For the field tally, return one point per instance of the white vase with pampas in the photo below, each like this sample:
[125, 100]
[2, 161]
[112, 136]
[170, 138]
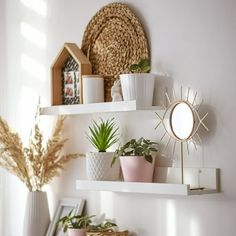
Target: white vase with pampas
[35, 166]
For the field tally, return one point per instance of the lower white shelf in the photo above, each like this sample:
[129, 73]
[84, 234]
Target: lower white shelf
[166, 182]
[146, 188]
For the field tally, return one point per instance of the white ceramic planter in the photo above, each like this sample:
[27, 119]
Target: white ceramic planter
[139, 87]
[93, 89]
[37, 217]
[137, 169]
[77, 232]
[98, 166]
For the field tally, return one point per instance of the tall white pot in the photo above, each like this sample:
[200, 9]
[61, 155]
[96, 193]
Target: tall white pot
[98, 166]
[139, 87]
[37, 217]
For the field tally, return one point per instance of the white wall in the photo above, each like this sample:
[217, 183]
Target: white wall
[2, 94]
[194, 43]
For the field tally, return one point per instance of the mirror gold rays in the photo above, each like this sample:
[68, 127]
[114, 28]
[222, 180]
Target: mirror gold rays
[181, 121]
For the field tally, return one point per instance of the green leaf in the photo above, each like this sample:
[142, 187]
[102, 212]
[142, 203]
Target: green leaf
[134, 68]
[144, 65]
[148, 158]
[65, 228]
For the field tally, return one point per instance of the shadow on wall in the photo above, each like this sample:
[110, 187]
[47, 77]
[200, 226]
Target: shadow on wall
[210, 121]
[163, 84]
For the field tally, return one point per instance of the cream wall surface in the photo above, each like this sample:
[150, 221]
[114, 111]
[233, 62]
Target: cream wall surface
[193, 44]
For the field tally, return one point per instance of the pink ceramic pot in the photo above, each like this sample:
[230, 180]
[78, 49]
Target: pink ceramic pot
[77, 232]
[136, 169]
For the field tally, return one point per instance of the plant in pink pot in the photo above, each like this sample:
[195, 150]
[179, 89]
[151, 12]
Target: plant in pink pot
[76, 225]
[137, 162]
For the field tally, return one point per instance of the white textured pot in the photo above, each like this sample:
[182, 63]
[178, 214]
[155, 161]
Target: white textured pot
[139, 87]
[37, 217]
[98, 166]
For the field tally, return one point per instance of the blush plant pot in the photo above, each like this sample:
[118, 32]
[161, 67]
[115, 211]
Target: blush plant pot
[139, 87]
[98, 166]
[77, 232]
[137, 169]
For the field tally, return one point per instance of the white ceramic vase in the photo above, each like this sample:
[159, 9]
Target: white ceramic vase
[139, 87]
[37, 217]
[98, 166]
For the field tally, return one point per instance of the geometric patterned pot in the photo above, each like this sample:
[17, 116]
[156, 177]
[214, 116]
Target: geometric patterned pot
[98, 166]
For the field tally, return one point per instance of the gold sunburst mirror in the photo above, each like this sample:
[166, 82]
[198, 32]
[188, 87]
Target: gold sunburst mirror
[181, 121]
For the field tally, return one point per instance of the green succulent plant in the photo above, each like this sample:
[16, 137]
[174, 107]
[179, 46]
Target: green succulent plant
[140, 147]
[75, 221]
[103, 135]
[142, 67]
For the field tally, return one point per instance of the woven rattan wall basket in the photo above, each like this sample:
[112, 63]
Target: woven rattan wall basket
[113, 40]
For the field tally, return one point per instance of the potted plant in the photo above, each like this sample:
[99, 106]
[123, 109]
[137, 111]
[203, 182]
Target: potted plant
[102, 136]
[139, 84]
[137, 162]
[76, 225]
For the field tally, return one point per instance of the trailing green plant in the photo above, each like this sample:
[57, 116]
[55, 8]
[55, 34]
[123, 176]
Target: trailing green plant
[142, 67]
[106, 225]
[75, 221]
[103, 135]
[140, 147]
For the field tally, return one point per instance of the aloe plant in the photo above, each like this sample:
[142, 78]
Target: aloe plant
[140, 147]
[75, 221]
[142, 67]
[103, 135]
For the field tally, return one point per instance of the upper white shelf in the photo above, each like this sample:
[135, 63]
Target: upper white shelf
[95, 108]
[146, 188]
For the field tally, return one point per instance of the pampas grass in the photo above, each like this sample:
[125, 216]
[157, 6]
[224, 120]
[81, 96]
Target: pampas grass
[34, 165]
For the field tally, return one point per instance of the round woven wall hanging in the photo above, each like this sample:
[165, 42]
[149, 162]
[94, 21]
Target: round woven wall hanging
[113, 40]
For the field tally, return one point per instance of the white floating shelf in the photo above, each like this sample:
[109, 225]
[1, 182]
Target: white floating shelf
[95, 108]
[167, 179]
[133, 187]
[146, 188]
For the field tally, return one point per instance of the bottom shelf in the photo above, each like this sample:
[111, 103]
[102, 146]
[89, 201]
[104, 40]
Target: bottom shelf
[166, 182]
[146, 188]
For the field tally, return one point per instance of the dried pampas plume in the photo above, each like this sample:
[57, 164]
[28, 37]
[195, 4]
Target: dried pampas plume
[35, 165]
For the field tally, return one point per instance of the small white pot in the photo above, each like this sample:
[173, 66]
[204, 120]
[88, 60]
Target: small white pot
[139, 87]
[98, 166]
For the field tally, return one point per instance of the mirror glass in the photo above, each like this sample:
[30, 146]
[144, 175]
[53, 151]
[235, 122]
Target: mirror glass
[182, 121]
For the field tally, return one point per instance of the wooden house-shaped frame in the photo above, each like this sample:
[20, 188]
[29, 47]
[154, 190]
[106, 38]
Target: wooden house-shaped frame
[69, 55]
